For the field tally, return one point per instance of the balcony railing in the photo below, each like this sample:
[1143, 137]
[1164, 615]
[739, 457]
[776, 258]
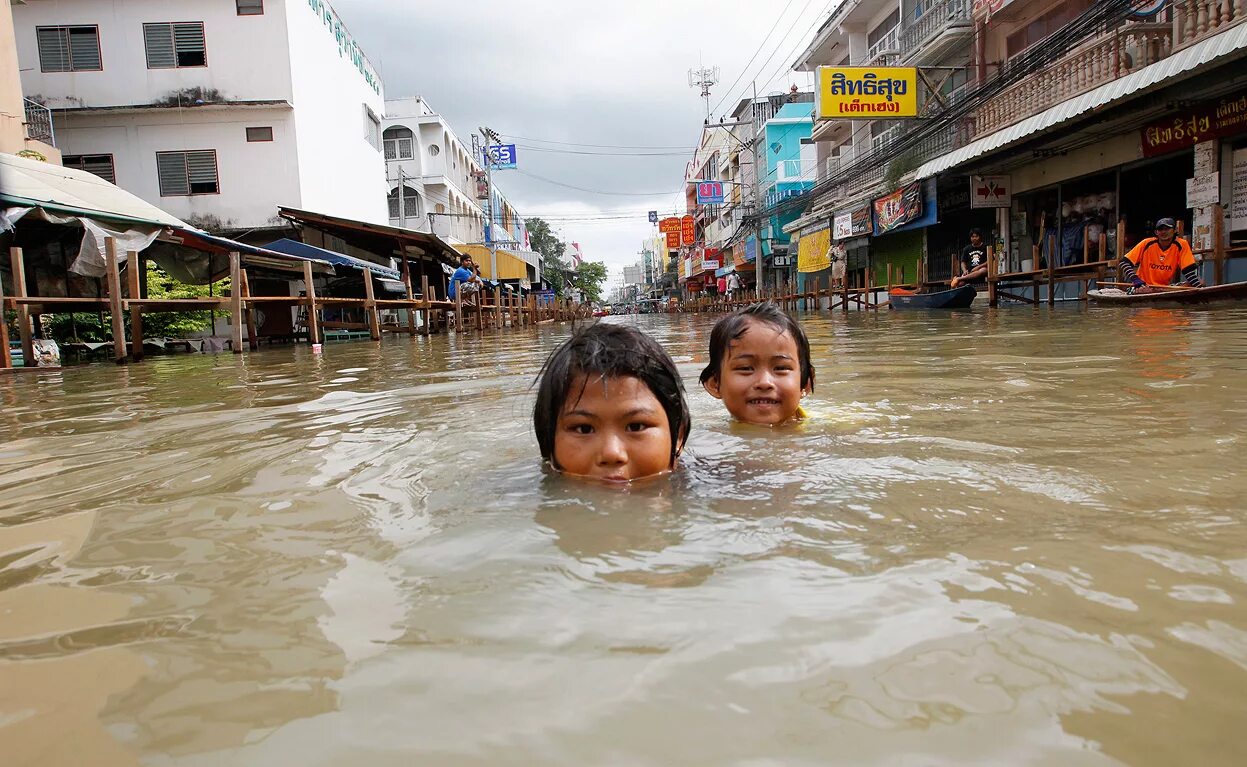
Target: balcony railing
[886, 51]
[39, 123]
[935, 20]
[885, 138]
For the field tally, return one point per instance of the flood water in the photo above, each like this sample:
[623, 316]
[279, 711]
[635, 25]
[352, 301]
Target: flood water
[1010, 537]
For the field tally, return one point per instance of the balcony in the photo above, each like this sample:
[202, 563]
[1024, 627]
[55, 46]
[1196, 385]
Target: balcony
[793, 171]
[942, 29]
[887, 51]
[39, 123]
[881, 141]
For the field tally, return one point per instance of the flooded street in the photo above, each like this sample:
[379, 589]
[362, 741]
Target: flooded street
[1008, 537]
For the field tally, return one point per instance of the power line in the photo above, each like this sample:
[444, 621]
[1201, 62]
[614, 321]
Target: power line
[758, 50]
[596, 146]
[529, 148]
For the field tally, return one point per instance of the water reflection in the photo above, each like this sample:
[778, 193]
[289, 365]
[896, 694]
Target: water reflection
[1004, 537]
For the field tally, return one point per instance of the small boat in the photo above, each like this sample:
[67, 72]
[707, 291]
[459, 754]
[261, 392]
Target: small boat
[954, 298]
[1235, 291]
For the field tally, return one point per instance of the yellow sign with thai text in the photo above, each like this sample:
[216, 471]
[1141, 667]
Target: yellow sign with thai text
[867, 93]
[814, 248]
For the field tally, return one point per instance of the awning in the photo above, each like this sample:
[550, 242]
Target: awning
[375, 238]
[303, 250]
[511, 266]
[1228, 42]
[725, 271]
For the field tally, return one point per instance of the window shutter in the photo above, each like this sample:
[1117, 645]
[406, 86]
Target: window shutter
[84, 48]
[394, 204]
[391, 151]
[159, 40]
[171, 167]
[412, 203]
[188, 40]
[53, 49]
[201, 168]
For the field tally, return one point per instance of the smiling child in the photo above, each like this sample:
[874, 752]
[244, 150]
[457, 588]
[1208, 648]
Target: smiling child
[759, 365]
[610, 406]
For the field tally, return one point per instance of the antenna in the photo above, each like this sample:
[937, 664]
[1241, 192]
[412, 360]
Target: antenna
[704, 78]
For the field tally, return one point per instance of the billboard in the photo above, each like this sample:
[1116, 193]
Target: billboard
[867, 93]
[899, 208]
[688, 230]
[501, 156]
[709, 192]
[668, 225]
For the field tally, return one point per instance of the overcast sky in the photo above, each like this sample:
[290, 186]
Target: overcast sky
[585, 73]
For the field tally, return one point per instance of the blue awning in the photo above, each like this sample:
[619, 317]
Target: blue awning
[303, 250]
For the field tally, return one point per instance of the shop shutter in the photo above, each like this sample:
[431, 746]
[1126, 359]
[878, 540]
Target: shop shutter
[171, 167]
[53, 49]
[159, 41]
[84, 48]
[188, 39]
[202, 172]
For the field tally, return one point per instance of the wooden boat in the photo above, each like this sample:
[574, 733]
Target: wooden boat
[1235, 291]
[955, 298]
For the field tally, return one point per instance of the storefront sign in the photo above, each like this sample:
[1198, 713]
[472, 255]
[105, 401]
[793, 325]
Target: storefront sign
[673, 240]
[813, 248]
[1215, 119]
[710, 259]
[852, 223]
[751, 246]
[781, 262]
[842, 227]
[501, 156]
[898, 208]
[1203, 190]
[1238, 199]
[688, 231]
[710, 193]
[669, 225]
[991, 192]
[867, 92]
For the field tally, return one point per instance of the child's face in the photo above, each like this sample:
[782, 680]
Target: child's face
[760, 378]
[615, 429]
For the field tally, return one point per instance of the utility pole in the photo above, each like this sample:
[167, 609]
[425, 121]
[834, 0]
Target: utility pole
[757, 188]
[489, 229]
[402, 202]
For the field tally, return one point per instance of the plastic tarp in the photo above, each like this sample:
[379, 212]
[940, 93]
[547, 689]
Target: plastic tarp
[90, 261]
[303, 250]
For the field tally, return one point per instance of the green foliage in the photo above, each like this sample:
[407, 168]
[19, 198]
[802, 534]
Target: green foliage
[543, 240]
[897, 169]
[589, 278]
[82, 326]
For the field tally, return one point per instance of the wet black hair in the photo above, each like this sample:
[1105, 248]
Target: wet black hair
[977, 231]
[734, 326]
[464, 257]
[609, 351]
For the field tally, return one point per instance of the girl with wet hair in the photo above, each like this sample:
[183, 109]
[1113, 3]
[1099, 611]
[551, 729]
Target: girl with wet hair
[610, 406]
[759, 365]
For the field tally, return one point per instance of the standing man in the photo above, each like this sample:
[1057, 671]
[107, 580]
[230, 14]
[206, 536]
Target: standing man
[465, 281]
[1156, 261]
[733, 285]
[973, 261]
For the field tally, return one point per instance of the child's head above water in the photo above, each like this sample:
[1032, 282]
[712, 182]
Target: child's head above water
[610, 405]
[759, 365]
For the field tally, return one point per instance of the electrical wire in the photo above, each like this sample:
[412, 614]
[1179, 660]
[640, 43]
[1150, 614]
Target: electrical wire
[594, 146]
[752, 58]
[530, 148]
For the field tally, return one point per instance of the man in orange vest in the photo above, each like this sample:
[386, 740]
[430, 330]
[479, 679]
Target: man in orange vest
[1157, 261]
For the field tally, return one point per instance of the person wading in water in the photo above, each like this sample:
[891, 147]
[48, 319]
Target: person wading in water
[1156, 261]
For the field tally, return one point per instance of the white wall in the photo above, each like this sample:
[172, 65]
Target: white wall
[255, 177]
[340, 173]
[246, 54]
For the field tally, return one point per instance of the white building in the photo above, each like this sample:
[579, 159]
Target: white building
[217, 112]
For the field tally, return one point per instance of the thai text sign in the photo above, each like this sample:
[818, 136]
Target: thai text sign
[709, 192]
[867, 92]
[898, 208]
[669, 225]
[814, 248]
[673, 240]
[688, 230]
[1215, 119]
[710, 259]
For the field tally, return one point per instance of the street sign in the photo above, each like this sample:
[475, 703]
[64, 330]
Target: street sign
[709, 192]
[653, 217]
[990, 192]
[688, 231]
[502, 156]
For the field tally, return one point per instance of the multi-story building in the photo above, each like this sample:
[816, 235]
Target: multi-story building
[1049, 124]
[25, 126]
[217, 112]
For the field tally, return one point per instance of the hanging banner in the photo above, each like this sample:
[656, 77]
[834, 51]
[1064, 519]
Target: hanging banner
[1211, 120]
[709, 192]
[668, 225]
[688, 231]
[813, 248]
[855, 222]
[898, 208]
[867, 93]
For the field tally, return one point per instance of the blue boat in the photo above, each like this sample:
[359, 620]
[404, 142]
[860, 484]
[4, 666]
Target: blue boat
[954, 298]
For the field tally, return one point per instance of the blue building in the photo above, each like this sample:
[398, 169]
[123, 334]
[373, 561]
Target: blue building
[789, 168]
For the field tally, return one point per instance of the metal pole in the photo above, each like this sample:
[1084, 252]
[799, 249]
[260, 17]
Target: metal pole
[489, 176]
[402, 203]
[757, 184]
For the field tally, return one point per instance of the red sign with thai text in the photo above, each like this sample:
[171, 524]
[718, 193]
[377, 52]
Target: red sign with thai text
[673, 240]
[669, 225]
[688, 230]
[1215, 119]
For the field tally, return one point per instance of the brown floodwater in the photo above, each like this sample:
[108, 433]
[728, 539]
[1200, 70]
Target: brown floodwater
[1010, 537]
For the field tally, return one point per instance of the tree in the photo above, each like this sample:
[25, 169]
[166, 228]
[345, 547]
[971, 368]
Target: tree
[544, 241]
[589, 277]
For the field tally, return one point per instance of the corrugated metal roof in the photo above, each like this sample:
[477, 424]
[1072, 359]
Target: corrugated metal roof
[1197, 55]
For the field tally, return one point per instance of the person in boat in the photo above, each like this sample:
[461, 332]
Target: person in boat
[1156, 262]
[973, 261]
[466, 281]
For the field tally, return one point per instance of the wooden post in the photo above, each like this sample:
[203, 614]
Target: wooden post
[18, 262]
[235, 301]
[6, 357]
[136, 311]
[991, 277]
[411, 297]
[844, 292]
[459, 320]
[313, 313]
[370, 308]
[1086, 244]
[114, 299]
[425, 300]
[1218, 245]
[1051, 271]
[498, 306]
[253, 341]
